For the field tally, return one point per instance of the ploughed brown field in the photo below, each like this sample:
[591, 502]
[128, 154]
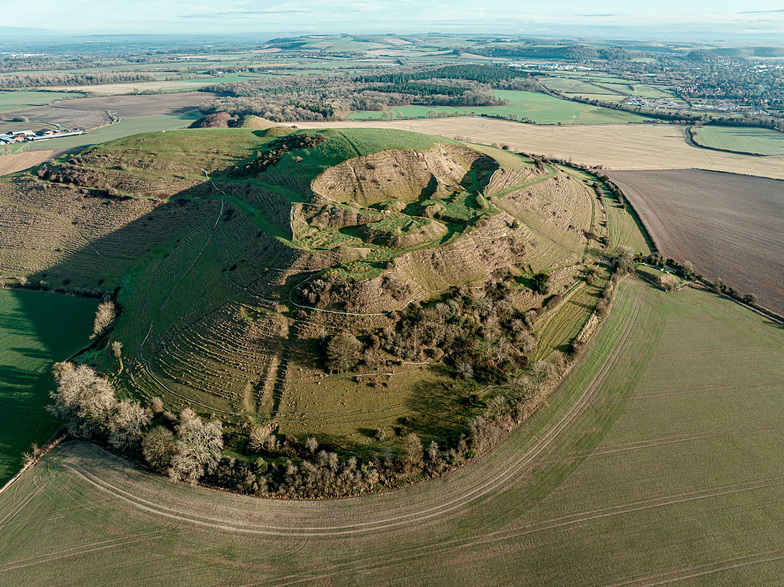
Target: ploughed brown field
[730, 226]
[91, 112]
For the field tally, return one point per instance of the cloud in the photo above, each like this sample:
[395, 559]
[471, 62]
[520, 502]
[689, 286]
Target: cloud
[595, 15]
[760, 11]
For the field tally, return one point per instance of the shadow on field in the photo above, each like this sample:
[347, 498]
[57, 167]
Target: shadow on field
[438, 411]
[182, 265]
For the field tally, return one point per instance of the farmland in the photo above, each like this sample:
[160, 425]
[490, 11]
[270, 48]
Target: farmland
[610, 146]
[92, 112]
[755, 141]
[20, 99]
[660, 405]
[729, 226]
[540, 108]
[20, 161]
[36, 329]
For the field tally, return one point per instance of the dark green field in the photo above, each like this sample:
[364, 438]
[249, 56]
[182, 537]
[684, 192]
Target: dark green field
[36, 329]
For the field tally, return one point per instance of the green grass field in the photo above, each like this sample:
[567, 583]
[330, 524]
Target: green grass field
[540, 108]
[756, 141]
[658, 460]
[624, 227]
[36, 329]
[26, 99]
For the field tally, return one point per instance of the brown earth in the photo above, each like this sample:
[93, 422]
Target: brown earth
[730, 226]
[92, 112]
[22, 161]
[397, 175]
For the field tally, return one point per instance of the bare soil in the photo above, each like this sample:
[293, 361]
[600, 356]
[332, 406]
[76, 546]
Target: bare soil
[730, 226]
[92, 112]
[22, 161]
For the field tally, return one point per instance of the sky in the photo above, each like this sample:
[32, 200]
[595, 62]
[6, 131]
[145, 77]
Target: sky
[608, 18]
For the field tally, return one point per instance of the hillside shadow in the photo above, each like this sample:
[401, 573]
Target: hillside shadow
[171, 265]
[438, 412]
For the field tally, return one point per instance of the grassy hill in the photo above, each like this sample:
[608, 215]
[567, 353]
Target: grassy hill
[236, 253]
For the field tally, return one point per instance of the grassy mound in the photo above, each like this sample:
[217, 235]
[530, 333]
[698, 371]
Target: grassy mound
[236, 253]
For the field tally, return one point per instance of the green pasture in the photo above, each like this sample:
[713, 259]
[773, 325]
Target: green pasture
[15, 100]
[36, 330]
[658, 460]
[756, 141]
[624, 227]
[540, 108]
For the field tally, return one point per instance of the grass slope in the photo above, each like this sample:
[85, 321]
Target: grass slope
[36, 330]
[658, 460]
[755, 141]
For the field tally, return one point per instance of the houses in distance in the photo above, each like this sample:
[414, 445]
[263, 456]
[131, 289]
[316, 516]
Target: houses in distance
[22, 136]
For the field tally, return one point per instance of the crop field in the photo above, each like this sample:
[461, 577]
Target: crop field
[756, 141]
[25, 99]
[19, 161]
[677, 402]
[540, 108]
[36, 330]
[91, 112]
[633, 146]
[730, 226]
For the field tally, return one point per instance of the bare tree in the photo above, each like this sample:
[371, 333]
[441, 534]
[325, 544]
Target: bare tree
[117, 349]
[311, 445]
[83, 399]
[159, 447]
[127, 421]
[104, 317]
[199, 445]
[412, 452]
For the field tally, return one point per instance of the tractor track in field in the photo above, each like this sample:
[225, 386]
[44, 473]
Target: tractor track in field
[660, 394]
[703, 570]
[498, 482]
[654, 442]
[546, 525]
[76, 551]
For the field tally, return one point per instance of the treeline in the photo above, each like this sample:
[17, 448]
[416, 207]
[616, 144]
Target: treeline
[186, 448]
[315, 98]
[43, 63]
[682, 117]
[484, 74]
[44, 80]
